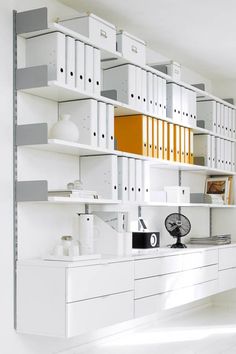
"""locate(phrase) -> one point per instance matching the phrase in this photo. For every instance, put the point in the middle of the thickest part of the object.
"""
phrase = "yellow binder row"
(143, 135)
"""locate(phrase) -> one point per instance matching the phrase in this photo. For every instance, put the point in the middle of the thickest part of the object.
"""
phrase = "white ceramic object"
(65, 129)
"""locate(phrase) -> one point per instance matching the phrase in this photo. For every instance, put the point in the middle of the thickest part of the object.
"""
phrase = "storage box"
(101, 32)
(177, 194)
(172, 68)
(158, 196)
(131, 48)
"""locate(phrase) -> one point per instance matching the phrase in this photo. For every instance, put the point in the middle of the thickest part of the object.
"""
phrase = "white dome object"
(65, 129)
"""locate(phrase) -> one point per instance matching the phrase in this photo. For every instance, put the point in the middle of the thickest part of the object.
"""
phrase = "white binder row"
(113, 177)
(137, 87)
(218, 118)
(181, 105)
(69, 61)
(218, 153)
(133, 180)
(95, 121)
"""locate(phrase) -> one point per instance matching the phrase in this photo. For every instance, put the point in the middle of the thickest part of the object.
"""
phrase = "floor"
(206, 331)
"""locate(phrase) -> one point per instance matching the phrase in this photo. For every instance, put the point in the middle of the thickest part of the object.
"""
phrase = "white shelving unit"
(122, 276)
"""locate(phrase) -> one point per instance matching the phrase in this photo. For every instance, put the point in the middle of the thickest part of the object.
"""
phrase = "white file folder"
(131, 173)
(84, 114)
(70, 61)
(230, 122)
(174, 102)
(110, 126)
(144, 90)
(202, 148)
(138, 180)
(184, 106)
(123, 181)
(102, 122)
(164, 98)
(146, 180)
(213, 152)
(150, 104)
(233, 156)
(218, 153)
(88, 73)
(96, 71)
(233, 124)
(226, 121)
(99, 173)
(79, 65)
(191, 120)
(206, 111)
(218, 118)
(160, 98)
(222, 119)
(122, 79)
(155, 95)
(222, 152)
(229, 149)
(193, 108)
(138, 88)
(48, 49)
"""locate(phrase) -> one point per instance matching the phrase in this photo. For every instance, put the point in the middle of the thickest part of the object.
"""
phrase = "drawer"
(131, 48)
(152, 304)
(200, 259)
(98, 280)
(227, 279)
(163, 283)
(88, 315)
(156, 266)
(227, 258)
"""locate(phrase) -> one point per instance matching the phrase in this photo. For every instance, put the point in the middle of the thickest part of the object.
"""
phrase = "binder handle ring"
(103, 33)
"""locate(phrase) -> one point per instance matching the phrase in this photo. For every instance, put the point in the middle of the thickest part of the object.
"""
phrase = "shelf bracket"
(31, 134)
(30, 191)
(179, 183)
(31, 21)
(32, 77)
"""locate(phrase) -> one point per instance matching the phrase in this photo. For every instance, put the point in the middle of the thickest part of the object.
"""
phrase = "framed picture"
(219, 188)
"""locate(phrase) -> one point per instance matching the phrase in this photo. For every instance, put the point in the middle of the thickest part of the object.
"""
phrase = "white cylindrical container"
(66, 242)
(86, 233)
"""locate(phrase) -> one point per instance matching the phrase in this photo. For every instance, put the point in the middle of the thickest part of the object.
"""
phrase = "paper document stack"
(213, 240)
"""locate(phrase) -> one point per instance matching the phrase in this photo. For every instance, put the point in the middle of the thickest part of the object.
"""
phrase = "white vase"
(65, 129)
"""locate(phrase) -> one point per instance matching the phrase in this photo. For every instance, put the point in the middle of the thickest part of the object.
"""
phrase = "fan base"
(178, 245)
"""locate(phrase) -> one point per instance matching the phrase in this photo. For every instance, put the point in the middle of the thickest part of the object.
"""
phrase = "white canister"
(67, 242)
(86, 234)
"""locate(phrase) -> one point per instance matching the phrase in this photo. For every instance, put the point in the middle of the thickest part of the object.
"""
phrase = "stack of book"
(213, 240)
(73, 193)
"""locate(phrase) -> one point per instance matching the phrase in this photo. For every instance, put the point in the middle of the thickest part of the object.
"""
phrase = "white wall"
(10, 341)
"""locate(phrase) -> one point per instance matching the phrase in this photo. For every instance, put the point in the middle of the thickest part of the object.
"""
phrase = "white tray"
(52, 257)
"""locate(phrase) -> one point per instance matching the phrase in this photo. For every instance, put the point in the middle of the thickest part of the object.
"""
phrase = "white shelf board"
(187, 205)
(68, 200)
(71, 148)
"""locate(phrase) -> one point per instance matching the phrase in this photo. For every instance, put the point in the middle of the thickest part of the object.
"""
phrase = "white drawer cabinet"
(145, 268)
(160, 284)
(151, 304)
(98, 280)
(65, 301)
(227, 279)
(227, 258)
(99, 312)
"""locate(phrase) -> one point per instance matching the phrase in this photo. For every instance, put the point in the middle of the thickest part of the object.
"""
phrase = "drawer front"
(200, 259)
(103, 279)
(227, 279)
(227, 258)
(164, 283)
(156, 266)
(131, 49)
(88, 315)
(102, 35)
(152, 304)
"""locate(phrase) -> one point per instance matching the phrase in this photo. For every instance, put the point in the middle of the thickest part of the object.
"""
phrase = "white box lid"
(121, 32)
(91, 15)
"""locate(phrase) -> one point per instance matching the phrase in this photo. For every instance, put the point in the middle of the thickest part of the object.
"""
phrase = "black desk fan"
(178, 226)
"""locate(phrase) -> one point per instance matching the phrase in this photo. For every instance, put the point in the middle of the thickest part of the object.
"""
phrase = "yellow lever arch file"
(170, 141)
(131, 134)
(177, 143)
(149, 133)
(154, 137)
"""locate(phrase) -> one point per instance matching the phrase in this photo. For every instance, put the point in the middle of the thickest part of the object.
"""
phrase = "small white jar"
(65, 129)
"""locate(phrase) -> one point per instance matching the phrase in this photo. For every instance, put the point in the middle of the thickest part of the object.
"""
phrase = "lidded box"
(99, 31)
(177, 194)
(131, 48)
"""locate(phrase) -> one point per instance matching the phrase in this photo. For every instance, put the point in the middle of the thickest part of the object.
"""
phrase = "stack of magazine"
(73, 193)
(213, 240)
